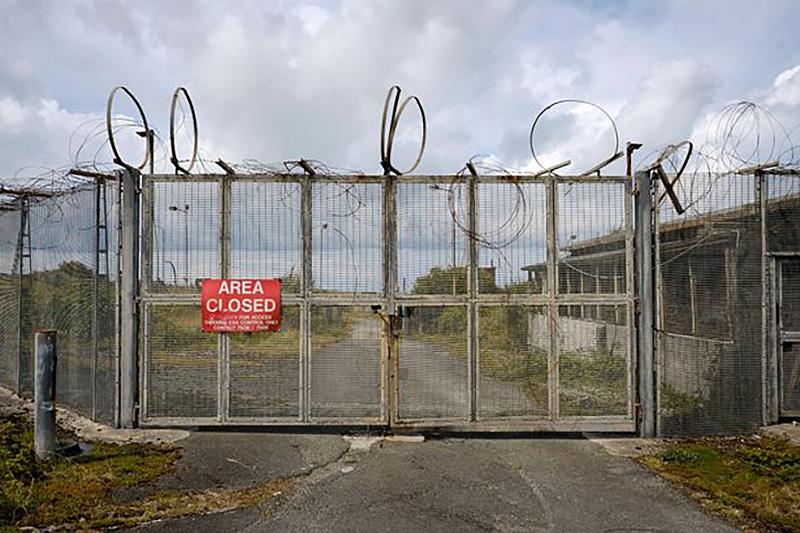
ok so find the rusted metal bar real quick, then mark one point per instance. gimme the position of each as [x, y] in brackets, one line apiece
[598, 167]
[226, 167]
[91, 174]
[307, 167]
[25, 192]
[755, 169]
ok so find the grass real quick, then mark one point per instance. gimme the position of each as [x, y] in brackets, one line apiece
[87, 492]
[754, 481]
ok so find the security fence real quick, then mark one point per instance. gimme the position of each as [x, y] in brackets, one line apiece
[58, 269]
[491, 302]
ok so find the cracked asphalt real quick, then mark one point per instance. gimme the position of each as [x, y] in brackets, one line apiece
[464, 484]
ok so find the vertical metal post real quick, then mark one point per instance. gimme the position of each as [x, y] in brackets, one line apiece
[658, 307]
[223, 359]
[129, 313]
[392, 325]
[645, 329]
[305, 291]
[769, 410]
[473, 279]
[21, 319]
[44, 415]
[95, 294]
[552, 290]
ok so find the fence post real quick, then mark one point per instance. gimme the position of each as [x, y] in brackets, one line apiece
[129, 288]
[645, 329]
[44, 416]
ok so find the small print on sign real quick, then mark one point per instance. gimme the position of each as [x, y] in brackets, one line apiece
[241, 305]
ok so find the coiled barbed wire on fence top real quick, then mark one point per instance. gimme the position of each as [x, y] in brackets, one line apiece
[174, 106]
[508, 231]
[615, 154]
[110, 130]
[745, 134]
[387, 141]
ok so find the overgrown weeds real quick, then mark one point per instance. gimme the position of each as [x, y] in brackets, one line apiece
[85, 491]
[752, 480]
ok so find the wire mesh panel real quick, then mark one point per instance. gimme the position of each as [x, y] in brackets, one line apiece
[60, 291]
[265, 232]
[710, 317]
[9, 297]
[347, 238]
[783, 213]
[790, 336]
[184, 236]
[591, 236]
[433, 380]
[432, 252]
[512, 222]
[346, 364]
[106, 328]
[265, 370]
[181, 371]
[593, 371]
[514, 347]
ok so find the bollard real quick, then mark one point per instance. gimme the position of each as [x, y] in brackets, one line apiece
[44, 417]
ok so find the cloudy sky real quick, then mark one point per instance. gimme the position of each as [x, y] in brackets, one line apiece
[281, 80]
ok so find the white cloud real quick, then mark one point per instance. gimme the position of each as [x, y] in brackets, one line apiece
[282, 80]
[785, 90]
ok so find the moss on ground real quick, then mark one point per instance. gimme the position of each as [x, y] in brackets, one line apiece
[84, 491]
[754, 481]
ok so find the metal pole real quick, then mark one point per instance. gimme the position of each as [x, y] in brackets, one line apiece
[95, 295]
[473, 280]
[645, 330]
[44, 416]
[186, 243]
[129, 315]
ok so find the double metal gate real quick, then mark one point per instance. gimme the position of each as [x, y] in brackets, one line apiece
[469, 301]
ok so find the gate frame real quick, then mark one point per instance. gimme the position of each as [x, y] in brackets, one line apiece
[388, 300]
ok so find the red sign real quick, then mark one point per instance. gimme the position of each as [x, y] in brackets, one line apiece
[241, 305]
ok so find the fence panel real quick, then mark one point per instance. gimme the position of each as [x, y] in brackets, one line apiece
[709, 285]
[10, 220]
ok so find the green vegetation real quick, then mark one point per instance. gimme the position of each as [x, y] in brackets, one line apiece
[754, 480]
[64, 490]
[89, 491]
[678, 403]
[507, 354]
[453, 280]
[63, 299]
[591, 381]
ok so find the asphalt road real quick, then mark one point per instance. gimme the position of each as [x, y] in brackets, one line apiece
[471, 484]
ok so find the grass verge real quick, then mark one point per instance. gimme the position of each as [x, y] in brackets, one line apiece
[754, 481]
[88, 491]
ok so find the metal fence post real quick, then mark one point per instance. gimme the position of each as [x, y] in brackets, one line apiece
[473, 281]
[645, 330]
[129, 318]
[44, 416]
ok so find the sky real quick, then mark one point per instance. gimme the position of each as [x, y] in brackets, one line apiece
[282, 80]
[276, 81]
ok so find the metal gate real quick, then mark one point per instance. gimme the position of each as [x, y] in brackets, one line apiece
[461, 301]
